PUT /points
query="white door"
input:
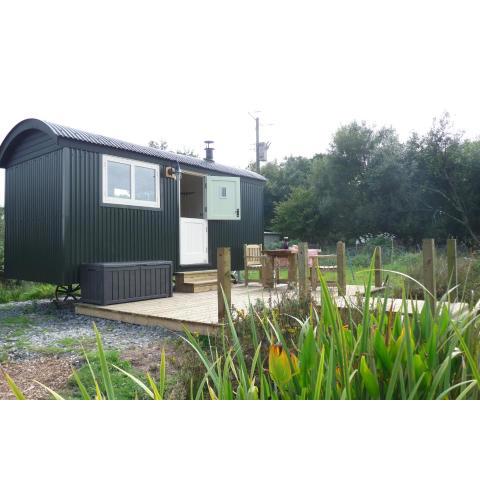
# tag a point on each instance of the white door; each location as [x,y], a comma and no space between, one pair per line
[223,198]
[193,241]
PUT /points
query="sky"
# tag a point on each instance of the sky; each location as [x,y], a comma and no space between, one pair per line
[188,71]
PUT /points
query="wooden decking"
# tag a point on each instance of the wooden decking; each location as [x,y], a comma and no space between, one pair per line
[198,311]
[195,311]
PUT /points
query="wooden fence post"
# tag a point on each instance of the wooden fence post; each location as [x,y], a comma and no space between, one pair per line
[314,274]
[267,273]
[292,270]
[341,269]
[378,266]
[452,280]
[429,270]
[303,270]
[224,282]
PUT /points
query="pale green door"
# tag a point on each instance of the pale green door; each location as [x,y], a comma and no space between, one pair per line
[223,198]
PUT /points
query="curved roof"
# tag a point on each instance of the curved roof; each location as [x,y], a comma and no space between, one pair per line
[66,136]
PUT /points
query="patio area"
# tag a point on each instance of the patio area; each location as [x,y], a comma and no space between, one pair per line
[198,312]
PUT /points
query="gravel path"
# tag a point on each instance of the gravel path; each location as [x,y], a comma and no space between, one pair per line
[31,329]
[39,342]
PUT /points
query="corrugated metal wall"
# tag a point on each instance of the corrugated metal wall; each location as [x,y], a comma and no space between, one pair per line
[95,233]
[55,220]
[235,233]
[33,214]
[31,144]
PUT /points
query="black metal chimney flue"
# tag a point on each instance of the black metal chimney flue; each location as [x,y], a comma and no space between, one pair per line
[209,151]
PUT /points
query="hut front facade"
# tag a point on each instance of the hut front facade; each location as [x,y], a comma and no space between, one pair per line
[73,197]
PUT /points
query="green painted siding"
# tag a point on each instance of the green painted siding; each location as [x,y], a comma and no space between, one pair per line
[97,233]
[29,145]
[33,218]
[235,233]
[55,220]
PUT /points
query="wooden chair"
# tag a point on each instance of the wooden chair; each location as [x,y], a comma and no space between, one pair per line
[252,260]
[323,268]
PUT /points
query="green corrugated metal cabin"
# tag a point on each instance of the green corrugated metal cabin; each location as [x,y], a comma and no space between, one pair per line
[73,197]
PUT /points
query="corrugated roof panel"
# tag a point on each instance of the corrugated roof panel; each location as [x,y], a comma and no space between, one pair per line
[94,139]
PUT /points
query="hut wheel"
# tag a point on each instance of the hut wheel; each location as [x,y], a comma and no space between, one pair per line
[66,292]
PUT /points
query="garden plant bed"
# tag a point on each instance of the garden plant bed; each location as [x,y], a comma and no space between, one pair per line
[40,342]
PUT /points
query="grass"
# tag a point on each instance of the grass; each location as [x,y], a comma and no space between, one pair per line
[356,275]
[15,321]
[14,329]
[409,263]
[125,388]
[24,291]
[67,345]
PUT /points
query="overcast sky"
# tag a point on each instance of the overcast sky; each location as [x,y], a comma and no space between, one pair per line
[189,71]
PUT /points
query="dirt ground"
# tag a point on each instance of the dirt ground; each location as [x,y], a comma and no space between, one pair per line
[53,372]
[39,343]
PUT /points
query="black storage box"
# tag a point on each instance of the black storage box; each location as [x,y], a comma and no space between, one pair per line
[107,283]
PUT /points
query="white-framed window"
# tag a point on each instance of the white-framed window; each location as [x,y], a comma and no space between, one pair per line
[130,182]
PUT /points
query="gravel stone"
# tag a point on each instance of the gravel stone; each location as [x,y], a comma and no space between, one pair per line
[43,328]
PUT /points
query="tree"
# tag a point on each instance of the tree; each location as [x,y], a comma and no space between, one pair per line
[161,145]
[448,174]
[187,151]
[296,216]
[370,183]
[282,179]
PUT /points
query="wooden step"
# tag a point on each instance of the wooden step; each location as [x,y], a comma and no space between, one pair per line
[196,286]
[193,276]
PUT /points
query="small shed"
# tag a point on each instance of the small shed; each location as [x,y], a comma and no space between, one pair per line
[73,197]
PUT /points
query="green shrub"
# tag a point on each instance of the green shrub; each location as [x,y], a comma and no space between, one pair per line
[12,291]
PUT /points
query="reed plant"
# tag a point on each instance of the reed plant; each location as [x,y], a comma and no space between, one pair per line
[368,352]
[365,351]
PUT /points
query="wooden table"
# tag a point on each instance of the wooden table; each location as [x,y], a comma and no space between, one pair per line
[270,256]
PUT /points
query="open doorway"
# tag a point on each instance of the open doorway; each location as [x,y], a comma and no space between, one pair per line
[191,196]
[193,226]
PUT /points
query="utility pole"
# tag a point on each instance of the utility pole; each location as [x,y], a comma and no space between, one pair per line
[260,147]
[257,142]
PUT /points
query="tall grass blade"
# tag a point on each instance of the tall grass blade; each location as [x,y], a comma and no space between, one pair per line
[81,386]
[136,381]
[14,387]
[54,394]
[107,379]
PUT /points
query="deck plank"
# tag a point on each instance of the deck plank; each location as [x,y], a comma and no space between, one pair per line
[198,311]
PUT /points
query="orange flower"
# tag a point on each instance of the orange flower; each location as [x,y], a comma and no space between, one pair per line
[295,365]
[279,365]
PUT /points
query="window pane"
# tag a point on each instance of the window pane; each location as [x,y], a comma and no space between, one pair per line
[145,184]
[118,180]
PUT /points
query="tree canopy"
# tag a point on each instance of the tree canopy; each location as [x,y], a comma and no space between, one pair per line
[369,182]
